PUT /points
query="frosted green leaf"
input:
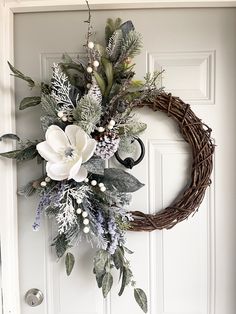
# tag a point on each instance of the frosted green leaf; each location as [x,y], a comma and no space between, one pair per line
[21,76]
[107,283]
[69,262]
[29,102]
[141,299]
[132,128]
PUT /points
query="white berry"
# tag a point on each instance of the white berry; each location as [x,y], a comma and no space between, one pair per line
[102,188]
[86,180]
[112,122]
[60,114]
[89,70]
[79,211]
[90,45]
[43,183]
[93,182]
[101,129]
[84,214]
[101,184]
[79,201]
[64,118]
[95,63]
[86,229]
[86,221]
[88,85]
[47,179]
[110,127]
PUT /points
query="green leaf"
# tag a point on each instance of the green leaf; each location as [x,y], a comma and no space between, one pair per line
[61,245]
[128,250]
[131,129]
[100,81]
[107,65]
[26,153]
[121,180]
[126,279]
[9,136]
[29,102]
[12,154]
[20,75]
[69,262]
[101,50]
[99,279]
[141,299]
[95,165]
[107,282]
[100,261]
[118,258]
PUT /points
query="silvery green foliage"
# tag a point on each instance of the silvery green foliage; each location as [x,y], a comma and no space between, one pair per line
[131,128]
[95,165]
[88,113]
[131,45]
[61,89]
[120,180]
[114,46]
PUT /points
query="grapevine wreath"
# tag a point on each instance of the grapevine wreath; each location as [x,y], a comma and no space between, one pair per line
[87,117]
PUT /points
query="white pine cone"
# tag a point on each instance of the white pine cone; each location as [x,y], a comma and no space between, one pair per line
[107,145]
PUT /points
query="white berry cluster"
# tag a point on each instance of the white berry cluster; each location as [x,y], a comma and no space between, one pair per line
[110,126]
[94,183]
[86,221]
[95,63]
[45,181]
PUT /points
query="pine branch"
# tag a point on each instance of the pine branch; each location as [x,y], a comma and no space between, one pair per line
[88,113]
[131,46]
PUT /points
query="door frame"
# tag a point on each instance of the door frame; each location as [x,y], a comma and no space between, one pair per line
[8,186]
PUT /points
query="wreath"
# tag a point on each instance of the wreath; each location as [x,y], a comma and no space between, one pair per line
[87,117]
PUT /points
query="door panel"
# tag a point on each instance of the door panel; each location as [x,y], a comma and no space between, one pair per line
[187,270]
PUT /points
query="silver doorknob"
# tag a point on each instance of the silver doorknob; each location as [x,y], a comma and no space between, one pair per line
[34,297]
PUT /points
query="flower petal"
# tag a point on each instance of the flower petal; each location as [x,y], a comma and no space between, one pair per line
[57,138]
[89,150]
[81,140]
[59,170]
[81,174]
[75,168]
[47,152]
[71,131]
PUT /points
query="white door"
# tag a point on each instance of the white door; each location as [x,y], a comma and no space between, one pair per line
[187,270]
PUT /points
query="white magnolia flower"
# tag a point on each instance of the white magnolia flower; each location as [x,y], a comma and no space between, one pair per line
[65,152]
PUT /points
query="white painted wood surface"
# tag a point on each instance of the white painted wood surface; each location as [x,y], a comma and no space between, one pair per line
[170,289]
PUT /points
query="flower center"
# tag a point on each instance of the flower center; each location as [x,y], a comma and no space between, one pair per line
[70,153]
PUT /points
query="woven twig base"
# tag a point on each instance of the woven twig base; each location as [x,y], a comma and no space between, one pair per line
[198,136]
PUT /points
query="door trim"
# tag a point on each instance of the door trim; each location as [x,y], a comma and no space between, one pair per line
[8,185]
